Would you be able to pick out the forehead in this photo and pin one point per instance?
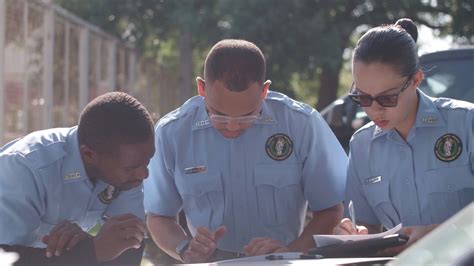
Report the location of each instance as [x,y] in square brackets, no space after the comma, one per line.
[375,77]
[135,154]
[233,103]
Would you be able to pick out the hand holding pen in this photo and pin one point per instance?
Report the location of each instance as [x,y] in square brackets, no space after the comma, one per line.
[348,226]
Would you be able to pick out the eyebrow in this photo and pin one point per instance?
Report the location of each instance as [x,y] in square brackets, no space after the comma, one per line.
[220,113]
[382,93]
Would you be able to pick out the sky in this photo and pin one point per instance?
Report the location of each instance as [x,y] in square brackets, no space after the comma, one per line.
[429,42]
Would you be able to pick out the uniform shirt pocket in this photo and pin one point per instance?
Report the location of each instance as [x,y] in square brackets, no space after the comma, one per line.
[203,198]
[378,197]
[449,190]
[279,192]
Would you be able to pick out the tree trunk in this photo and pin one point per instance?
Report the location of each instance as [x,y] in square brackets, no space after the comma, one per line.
[185,67]
[329,84]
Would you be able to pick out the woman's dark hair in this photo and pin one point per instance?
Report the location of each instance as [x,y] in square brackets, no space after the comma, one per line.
[390,44]
[111,119]
[237,63]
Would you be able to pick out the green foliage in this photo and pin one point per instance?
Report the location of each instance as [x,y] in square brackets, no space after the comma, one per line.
[301,39]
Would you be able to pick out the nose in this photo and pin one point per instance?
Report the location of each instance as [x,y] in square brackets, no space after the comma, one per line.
[142,173]
[232,125]
[376,107]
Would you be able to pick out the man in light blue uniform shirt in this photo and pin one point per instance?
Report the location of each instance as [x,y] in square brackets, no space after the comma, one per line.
[56,184]
[243,165]
[413,164]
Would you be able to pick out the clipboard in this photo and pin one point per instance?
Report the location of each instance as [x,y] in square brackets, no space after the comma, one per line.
[360,248]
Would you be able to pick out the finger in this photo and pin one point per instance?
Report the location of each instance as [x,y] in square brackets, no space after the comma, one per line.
[59,226]
[362,230]
[204,240]
[199,248]
[258,245]
[251,244]
[53,242]
[205,232]
[219,232]
[45,239]
[75,240]
[63,241]
[267,247]
[346,225]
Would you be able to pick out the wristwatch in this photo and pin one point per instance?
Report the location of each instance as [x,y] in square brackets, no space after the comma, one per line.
[182,247]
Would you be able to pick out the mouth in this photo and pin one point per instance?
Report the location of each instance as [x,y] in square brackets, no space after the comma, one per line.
[381,123]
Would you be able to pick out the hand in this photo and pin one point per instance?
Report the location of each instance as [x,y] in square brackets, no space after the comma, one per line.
[118,234]
[203,245]
[414,233]
[64,235]
[345,227]
[264,245]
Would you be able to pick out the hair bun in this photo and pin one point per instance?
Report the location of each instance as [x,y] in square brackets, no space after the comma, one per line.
[409,26]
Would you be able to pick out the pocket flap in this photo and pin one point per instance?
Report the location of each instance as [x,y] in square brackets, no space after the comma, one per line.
[199,184]
[450,178]
[277,175]
[377,193]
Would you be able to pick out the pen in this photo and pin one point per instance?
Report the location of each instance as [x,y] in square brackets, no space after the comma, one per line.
[352,214]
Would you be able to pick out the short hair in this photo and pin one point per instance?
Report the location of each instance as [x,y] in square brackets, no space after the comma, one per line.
[390,44]
[111,119]
[237,63]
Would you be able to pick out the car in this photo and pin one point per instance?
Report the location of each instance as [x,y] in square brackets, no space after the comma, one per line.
[448,73]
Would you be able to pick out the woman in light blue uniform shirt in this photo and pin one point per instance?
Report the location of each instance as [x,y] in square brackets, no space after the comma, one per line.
[413,164]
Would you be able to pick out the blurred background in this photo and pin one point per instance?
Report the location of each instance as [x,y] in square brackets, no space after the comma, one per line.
[56,55]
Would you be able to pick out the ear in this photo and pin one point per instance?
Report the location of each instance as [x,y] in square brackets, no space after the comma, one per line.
[201,85]
[417,78]
[266,87]
[89,156]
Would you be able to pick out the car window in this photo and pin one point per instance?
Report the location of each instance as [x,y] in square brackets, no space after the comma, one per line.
[450,79]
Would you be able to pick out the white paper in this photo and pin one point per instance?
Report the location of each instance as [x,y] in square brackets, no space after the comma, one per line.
[326,240]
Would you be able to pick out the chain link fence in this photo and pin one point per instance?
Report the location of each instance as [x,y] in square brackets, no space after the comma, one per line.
[52,63]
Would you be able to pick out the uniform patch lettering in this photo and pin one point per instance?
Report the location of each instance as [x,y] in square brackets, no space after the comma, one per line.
[448,147]
[279,147]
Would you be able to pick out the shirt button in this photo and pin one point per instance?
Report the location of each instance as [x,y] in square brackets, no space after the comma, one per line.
[407,181]
[450,187]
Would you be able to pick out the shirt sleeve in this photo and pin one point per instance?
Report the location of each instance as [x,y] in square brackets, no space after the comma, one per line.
[129,201]
[324,165]
[354,191]
[161,193]
[21,201]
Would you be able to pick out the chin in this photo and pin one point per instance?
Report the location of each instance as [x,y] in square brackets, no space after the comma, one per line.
[231,134]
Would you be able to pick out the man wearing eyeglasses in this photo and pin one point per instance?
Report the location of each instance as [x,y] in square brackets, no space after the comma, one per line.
[243,163]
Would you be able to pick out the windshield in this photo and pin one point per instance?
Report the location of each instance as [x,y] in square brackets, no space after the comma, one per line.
[450,79]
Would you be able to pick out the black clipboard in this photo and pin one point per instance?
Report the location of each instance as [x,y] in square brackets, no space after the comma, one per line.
[360,248]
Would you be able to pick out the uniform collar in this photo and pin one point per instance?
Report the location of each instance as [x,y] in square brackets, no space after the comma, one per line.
[201,119]
[73,168]
[426,116]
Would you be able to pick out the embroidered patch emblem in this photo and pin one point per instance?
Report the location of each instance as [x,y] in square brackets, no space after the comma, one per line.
[279,147]
[448,147]
[108,194]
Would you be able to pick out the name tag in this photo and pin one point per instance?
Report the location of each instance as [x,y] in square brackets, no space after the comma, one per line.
[373,180]
[195,170]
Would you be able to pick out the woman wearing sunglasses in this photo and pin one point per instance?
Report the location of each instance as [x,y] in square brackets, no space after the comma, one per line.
[413,164]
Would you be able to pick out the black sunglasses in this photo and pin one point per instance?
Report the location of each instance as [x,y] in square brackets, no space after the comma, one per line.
[388,100]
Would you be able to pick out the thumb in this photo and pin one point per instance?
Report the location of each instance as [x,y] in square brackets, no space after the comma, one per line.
[219,233]
[45,239]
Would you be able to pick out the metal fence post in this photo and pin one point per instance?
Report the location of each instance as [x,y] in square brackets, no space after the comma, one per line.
[2,69]
[48,63]
[83,67]
[112,65]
